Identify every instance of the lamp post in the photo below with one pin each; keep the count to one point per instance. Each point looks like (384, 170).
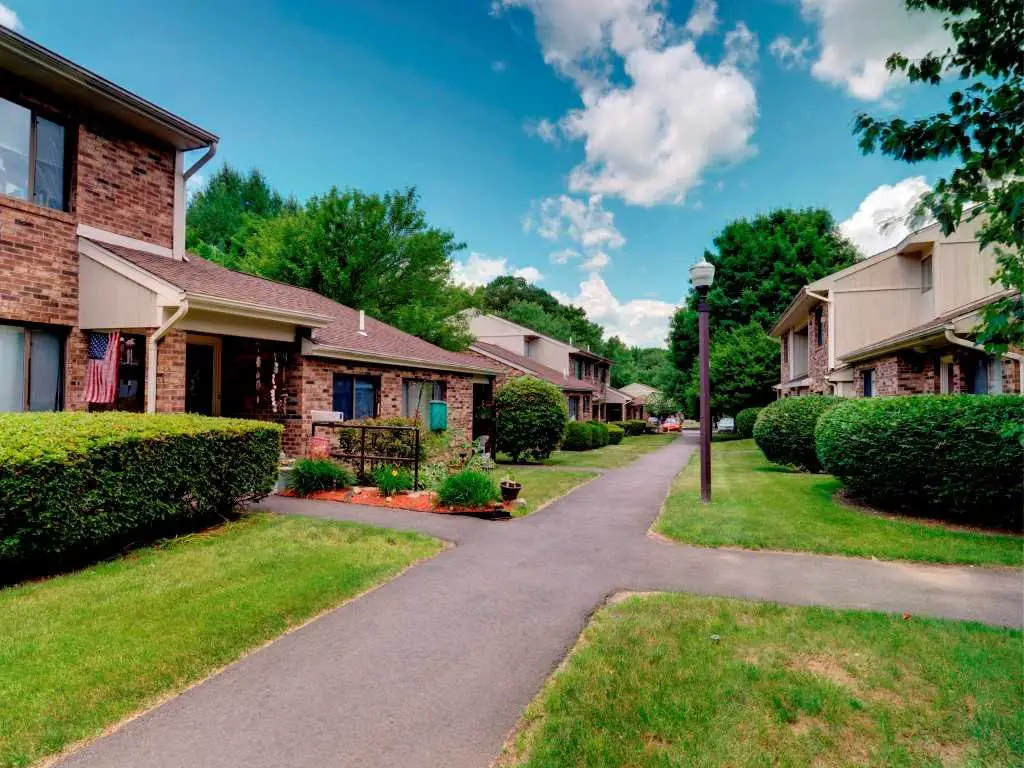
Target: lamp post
(702, 274)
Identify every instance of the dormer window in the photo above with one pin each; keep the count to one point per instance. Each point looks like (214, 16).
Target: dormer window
(32, 157)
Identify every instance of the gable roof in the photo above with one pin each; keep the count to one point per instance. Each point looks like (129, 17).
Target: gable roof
(528, 365)
(338, 334)
(526, 331)
(636, 389)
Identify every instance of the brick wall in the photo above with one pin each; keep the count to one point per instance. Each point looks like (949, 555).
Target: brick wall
(170, 372)
(1011, 377)
(886, 377)
(317, 390)
(817, 354)
(784, 358)
(125, 185)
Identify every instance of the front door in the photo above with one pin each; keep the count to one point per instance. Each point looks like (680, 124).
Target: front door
(199, 369)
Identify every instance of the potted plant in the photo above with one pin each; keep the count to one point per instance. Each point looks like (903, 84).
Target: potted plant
(510, 488)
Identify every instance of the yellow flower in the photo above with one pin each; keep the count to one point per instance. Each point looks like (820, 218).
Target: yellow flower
(394, 473)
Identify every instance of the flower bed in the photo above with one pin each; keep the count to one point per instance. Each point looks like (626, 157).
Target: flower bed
(414, 501)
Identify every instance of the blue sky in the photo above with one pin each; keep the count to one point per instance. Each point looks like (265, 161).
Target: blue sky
(598, 145)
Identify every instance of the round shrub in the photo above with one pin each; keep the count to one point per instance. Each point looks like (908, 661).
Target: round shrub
(598, 434)
(468, 488)
(745, 420)
(311, 475)
(615, 434)
(784, 430)
(390, 479)
(945, 456)
(576, 437)
(530, 416)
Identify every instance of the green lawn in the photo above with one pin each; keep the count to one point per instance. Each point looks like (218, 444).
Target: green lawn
(647, 687)
(612, 456)
(541, 486)
(757, 505)
(82, 651)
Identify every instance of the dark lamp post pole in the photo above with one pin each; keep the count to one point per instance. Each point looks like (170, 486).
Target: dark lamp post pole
(701, 275)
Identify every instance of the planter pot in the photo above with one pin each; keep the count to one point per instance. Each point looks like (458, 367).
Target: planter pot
(510, 491)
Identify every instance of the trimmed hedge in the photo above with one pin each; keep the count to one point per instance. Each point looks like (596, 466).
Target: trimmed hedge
(946, 456)
(598, 434)
(632, 427)
(468, 488)
(530, 416)
(784, 430)
(615, 434)
(745, 421)
(576, 437)
(75, 484)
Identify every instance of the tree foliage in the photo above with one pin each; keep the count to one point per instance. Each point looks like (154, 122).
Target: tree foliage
(982, 129)
(635, 364)
(744, 365)
(760, 264)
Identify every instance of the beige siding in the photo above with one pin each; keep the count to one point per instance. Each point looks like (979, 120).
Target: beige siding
(109, 300)
(962, 274)
(233, 325)
(510, 336)
(878, 301)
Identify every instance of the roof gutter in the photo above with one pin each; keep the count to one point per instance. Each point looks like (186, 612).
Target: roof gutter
(207, 157)
(952, 338)
(313, 349)
(151, 352)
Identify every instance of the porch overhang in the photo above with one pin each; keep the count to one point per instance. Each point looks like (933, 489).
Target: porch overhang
(246, 309)
(312, 349)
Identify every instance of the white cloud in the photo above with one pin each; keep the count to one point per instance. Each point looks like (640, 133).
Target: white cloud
(791, 55)
(881, 219)
(740, 46)
(597, 261)
(8, 18)
(583, 221)
(647, 137)
(529, 274)
(194, 184)
(855, 37)
(499, 67)
(643, 322)
(703, 17)
(564, 256)
(479, 269)
(543, 129)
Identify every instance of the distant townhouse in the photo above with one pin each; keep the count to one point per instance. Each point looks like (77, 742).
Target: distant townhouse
(582, 375)
(638, 395)
(101, 308)
(900, 322)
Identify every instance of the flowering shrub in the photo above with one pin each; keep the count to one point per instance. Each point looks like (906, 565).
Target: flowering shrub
(391, 479)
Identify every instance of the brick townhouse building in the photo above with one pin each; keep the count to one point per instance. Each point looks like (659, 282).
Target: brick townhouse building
(898, 323)
(582, 375)
(92, 232)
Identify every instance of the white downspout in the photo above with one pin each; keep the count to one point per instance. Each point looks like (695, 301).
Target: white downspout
(952, 338)
(158, 334)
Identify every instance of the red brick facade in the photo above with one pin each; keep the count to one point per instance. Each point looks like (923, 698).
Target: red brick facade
(170, 372)
(912, 373)
(583, 402)
(817, 351)
(118, 182)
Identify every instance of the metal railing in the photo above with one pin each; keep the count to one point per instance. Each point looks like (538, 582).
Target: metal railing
(378, 452)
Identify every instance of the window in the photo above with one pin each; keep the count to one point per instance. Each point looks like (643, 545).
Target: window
(926, 274)
(416, 397)
(819, 326)
(31, 369)
(32, 157)
(355, 397)
(577, 368)
(574, 408)
(985, 376)
(869, 382)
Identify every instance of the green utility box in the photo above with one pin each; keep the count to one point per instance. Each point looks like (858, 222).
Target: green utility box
(438, 415)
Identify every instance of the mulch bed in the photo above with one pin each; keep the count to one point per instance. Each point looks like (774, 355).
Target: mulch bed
(414, 501)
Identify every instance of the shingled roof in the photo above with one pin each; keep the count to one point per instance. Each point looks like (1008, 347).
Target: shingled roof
(202, 277)
(527, 365)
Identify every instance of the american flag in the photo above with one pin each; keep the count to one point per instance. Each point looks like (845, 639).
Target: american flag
(101, 374)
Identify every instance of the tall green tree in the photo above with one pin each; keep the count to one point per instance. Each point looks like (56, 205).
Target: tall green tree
(760, 264)
(744, 365)
(635, 364)
(223, 214)
(368, 251)
(982, 129)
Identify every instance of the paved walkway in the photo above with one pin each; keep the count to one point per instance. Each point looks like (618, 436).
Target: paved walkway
(435, 667)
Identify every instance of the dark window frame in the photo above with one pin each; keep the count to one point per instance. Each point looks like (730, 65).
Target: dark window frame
(35, 113)
(27, 330)
(347, 414)
(868, 387)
